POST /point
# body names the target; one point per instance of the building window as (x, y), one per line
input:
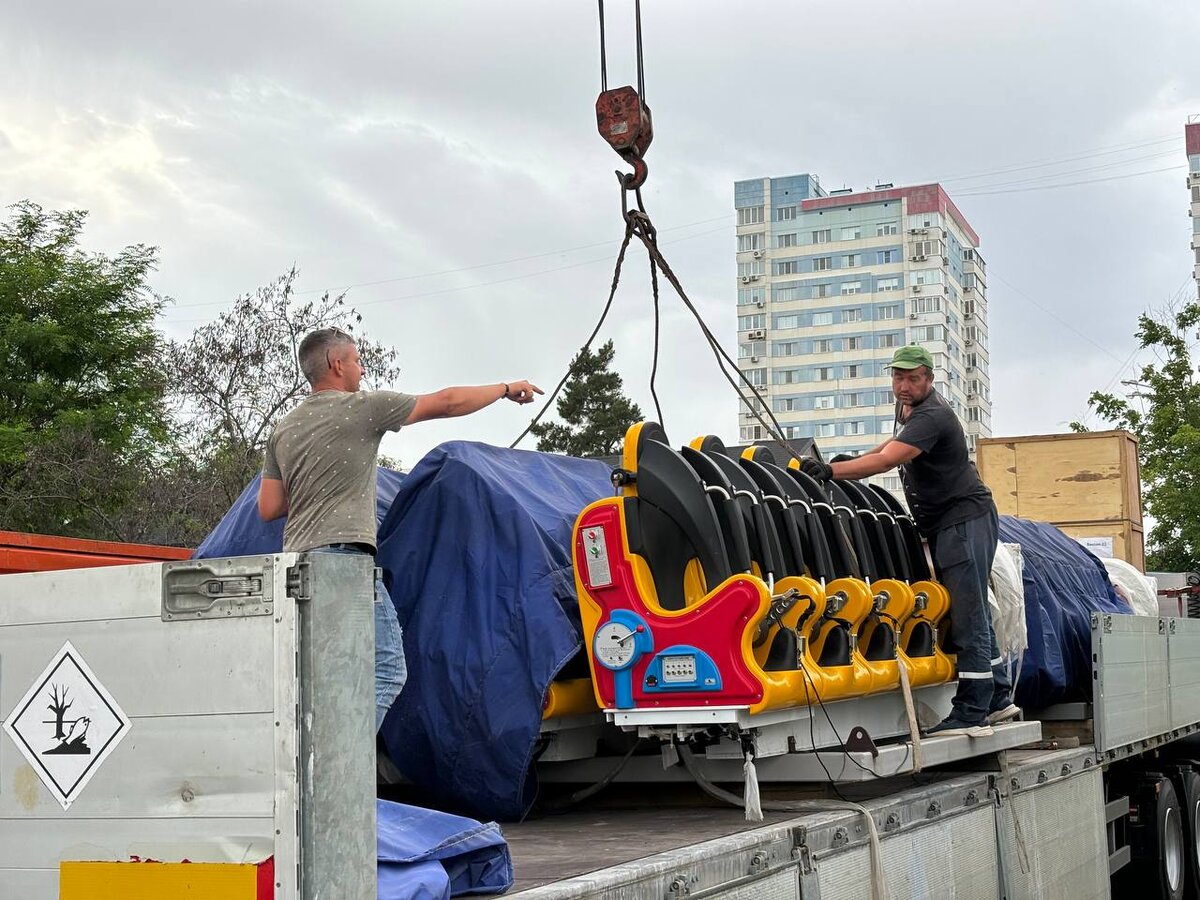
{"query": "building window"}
(825, 345)
(851, 232)
(887, 256)
(887, 398)
(854, 371)
(888, 340)
(751, 296)
(852, 400)
(752, 350)
(888, 284)
(757, 377)
(751, 433)
(785, 240)
(851, 287)
(971, 360)
(825, 402)
(852, 315)
(822, 290)
(973, 414)
(824, 236)
(791, 348)
(889, 312)
(852, 260)
(826, 429)
(786, 267)
(929, 333)
(745, 323)
(754, 241)
(822, 263)
(792, 321)
(887, 228)
(822, 318)
(750, 215)
(751, 267)
(927, 304)
(786, 404)
(854, 343)
(856, 428)
(787, 376)
(971, 333)
(824, 373)
(968, 308)
(926, 248)
(928, 276)
(785, 213)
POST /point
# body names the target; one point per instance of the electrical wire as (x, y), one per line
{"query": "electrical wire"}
(1090, 154)
(1049, 187)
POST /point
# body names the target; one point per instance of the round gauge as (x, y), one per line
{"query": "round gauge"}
(614, 645)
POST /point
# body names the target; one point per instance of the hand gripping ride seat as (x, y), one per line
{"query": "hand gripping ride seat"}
(667, 621)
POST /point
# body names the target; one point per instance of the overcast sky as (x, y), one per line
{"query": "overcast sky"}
(447, 152)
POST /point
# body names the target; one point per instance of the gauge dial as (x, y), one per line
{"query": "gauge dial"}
(614, 645)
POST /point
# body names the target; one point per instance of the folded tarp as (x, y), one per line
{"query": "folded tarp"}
(477, 548)
(242, 533)
(1064, 584)
(429, 855)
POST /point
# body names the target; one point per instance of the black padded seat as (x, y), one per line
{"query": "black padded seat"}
(728, 508)
(786, 525)
(915, 551)
(848, 514)
(875, 528)
(844, 561)
(812, 533)
(893, 536)
(672, 521)
(760, 528)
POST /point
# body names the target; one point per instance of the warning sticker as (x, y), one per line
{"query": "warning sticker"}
(66, 725)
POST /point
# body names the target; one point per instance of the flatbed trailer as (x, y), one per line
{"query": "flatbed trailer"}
(236, 676)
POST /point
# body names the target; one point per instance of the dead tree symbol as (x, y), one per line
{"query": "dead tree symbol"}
(59, 706)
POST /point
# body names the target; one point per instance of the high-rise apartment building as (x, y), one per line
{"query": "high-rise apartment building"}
(831, 283)
(1192, 141)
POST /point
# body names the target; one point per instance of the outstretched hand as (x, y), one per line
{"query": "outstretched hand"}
(522, 391)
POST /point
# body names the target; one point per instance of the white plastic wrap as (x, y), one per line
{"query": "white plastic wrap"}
(1136, 589)
(1006, 597)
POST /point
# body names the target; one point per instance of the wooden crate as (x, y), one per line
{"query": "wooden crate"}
(1128, 542)
(1089, 477)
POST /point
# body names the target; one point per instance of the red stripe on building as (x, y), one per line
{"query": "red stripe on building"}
(921, 198)
(1191, 136)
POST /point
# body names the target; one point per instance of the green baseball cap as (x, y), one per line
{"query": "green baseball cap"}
(911, 357)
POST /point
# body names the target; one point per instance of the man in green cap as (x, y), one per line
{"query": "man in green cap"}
(954, 511)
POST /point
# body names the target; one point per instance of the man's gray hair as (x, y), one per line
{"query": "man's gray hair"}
(316, 351)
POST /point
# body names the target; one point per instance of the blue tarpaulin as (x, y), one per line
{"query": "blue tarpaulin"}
(1064, 584)
(429, 855)
(475, 548)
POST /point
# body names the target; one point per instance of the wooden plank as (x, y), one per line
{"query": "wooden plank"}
(1075, 481)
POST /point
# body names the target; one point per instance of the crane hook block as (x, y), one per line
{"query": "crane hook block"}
(624, 121)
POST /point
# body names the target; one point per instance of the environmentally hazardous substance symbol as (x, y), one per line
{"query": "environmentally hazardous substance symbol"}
(66, 725)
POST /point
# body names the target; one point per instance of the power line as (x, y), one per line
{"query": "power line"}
(1049, 187)
(1052, 175)
(1120, 148)
(1056, 317)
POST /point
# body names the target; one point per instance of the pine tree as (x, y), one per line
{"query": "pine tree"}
(593, 407)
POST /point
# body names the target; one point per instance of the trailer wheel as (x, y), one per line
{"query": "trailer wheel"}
(1172, 859)
(1187, 786)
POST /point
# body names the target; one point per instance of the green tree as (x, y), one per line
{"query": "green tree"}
(81, 364)
(234, 378)
(1163, 411)
(592, 405)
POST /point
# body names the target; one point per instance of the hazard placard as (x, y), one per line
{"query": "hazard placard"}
(66, 725)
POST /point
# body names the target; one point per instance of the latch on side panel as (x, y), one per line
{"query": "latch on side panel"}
(218, 588)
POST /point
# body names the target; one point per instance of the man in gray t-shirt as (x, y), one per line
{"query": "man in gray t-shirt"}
(319, 469)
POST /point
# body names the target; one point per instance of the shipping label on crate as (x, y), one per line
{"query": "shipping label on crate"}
(1101, 546)
(66, 725)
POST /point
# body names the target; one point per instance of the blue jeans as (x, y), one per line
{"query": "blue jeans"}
(391, 671)
(963, 555)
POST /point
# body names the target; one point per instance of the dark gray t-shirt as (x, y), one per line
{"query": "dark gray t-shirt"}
(942, 485)
(324, 451)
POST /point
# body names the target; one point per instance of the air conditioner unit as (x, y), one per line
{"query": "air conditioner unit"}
(970, 368)
(945, 260)
(745, 279)
(916, 288)
(758, 254)
(912, 315)
(913, 231)
(760, 303)
(968, 343)
(754, 278)
(971, 395)
(922, 258)
(968, 315)
(757, 336)
(754, 359)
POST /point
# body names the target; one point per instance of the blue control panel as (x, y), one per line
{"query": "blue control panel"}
(681, 668)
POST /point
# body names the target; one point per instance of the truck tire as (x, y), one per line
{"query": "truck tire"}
(1187, 786)
(1156, 836)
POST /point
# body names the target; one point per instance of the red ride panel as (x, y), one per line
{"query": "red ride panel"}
(715, 626)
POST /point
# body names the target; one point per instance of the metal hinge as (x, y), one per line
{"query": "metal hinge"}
(299, 582)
